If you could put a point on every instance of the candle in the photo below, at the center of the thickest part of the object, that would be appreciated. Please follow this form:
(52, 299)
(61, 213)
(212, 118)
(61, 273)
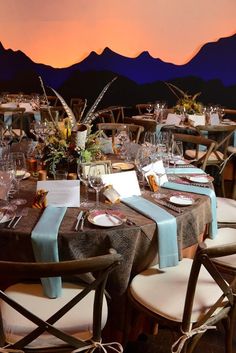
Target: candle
(42, 175)
(72, 176)
(32, 165)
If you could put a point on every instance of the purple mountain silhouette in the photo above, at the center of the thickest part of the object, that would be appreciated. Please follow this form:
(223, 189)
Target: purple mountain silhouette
(216, 60)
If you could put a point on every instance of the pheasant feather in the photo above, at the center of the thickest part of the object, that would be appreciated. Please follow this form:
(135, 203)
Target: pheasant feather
(68, 110)
(90, 116)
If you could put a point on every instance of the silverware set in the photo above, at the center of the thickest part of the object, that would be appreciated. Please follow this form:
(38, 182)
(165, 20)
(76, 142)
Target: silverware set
(80, 220)
(17, 217)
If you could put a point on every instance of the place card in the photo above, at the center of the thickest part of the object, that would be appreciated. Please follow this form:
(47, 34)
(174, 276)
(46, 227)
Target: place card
(214, 119)
(61, 193)
(173, 119)
(125, 183)
(195, 119)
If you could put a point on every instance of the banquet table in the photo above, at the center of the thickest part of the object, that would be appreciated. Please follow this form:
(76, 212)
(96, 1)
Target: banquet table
(137, 243)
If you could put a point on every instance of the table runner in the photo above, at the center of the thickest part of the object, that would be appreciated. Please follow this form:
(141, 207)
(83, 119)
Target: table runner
(45, 246)
(186, 170)
(199, 190)
(167, 229)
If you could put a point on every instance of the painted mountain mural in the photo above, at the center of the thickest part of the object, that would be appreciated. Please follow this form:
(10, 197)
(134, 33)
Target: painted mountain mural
(211, 71)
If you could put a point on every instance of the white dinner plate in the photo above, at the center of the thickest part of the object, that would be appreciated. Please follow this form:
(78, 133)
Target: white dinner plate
(123, 166)
(108, 218)
(201, 179)
(181, 200)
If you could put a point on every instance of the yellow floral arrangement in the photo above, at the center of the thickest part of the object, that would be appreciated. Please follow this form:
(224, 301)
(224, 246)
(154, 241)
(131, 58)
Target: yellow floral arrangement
(186, 103)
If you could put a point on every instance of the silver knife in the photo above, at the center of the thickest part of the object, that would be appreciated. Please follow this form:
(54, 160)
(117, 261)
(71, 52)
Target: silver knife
(78, 220)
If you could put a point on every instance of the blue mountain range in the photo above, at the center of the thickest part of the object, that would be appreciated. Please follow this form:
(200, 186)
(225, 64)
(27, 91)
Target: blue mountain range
(215, 60)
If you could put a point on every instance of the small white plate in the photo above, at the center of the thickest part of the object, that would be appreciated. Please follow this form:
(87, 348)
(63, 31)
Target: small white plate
(27, 175)
(181, 200)
(123, 166)
(179, 162)
(200, 179)
(103, 218)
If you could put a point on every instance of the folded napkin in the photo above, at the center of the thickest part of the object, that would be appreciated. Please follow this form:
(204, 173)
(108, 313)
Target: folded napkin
(45, 247)
(167, 229)
(202, 191)
(184, 171)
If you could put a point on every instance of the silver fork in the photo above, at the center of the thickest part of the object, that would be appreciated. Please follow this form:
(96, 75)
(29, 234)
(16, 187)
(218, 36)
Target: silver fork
(16, 219)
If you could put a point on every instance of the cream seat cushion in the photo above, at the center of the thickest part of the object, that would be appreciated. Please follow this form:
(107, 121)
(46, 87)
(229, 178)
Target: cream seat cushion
(77, 322)
(226, 210)
(163, 292)
(192, 154)
(224, 236)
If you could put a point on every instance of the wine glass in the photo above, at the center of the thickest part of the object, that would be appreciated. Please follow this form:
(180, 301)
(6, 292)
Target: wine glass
(19, 164)
(176, 152)
(149, 107)
(143, 164)
(95, 179)
(82, 173)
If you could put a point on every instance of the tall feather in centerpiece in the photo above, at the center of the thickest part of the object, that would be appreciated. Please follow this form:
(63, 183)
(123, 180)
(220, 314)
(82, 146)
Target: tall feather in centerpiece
(47, 102)
(68, 110)
(90, 116)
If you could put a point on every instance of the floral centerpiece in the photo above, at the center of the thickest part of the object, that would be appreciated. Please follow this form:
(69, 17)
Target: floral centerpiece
(67, 141)
(186, 103)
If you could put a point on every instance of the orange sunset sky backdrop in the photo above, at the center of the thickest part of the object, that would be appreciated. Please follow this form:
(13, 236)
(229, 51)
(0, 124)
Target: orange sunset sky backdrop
(63, 32)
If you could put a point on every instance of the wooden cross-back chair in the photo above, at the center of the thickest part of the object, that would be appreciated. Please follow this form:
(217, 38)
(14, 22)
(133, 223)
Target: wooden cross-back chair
(221, 134)
(111, 129)
(33, 322)
(189, 298)
(197, 141)
(16, 121)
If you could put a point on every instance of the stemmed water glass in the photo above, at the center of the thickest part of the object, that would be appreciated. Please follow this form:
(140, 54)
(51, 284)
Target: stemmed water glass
(95, 179)
(143, 163)
(176, 152)
(82, 173)
(19, 163)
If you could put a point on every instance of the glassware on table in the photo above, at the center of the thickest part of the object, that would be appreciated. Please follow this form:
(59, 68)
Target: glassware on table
(143, 164)
(149, 108)
(19, 164)
(176, 152)
(95, 179)
(82, 173)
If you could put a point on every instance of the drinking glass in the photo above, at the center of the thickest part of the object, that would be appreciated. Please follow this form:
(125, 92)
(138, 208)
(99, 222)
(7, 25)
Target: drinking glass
(143, 163)
(19, 164)
(176, 152)
(149, 107)
(95, 179)
(82, 173)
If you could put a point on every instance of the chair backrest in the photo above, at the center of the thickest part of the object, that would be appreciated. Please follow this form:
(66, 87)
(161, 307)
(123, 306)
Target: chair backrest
(17, 120)
(226, 304)
(99, 266)
(114, 128)
(221, 134)
(113, 114)
(197, 141)
(57, 112)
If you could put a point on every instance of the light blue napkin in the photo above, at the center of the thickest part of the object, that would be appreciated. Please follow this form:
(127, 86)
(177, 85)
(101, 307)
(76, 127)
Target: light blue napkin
(198, 190)
(8, 118)
(167, 229)
(184, 171)
(45, 246)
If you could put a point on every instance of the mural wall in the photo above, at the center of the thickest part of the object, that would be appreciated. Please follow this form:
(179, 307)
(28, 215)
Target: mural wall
(84, 44)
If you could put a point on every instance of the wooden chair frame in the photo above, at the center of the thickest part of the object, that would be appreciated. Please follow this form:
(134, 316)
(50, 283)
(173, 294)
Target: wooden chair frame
(198, 140)
(17, 118)
(226, 304)
(102, 266)
(135, 130)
